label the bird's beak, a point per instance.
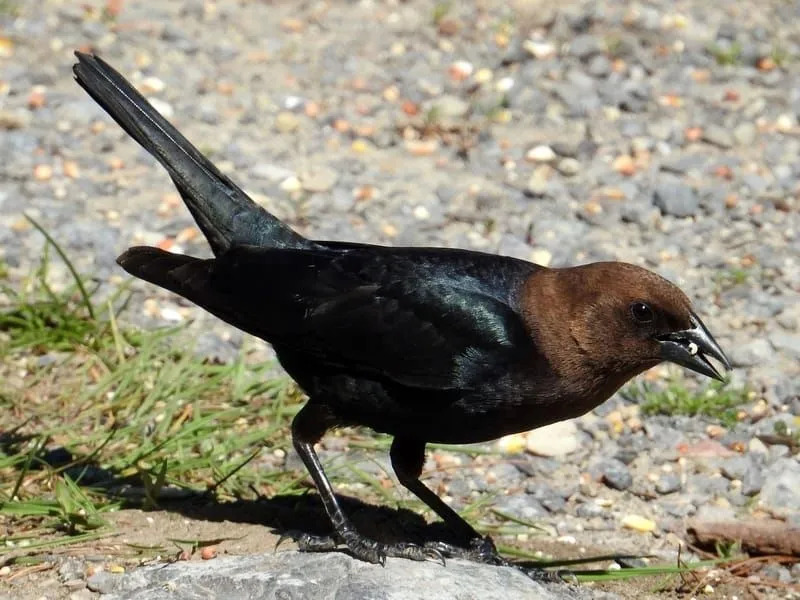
(689, 348)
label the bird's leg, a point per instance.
(408, 458)
(308, 428)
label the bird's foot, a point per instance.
(483, 550)
(361, 547)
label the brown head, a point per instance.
(609, 321)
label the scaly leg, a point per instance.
(308, 428)
(408, 458)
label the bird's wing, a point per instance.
(412, 316)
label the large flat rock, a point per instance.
(297, 576)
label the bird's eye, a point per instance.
(642, 312)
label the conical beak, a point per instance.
(690, 348)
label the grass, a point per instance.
(95, 413)
(726, 54)
(97, 416)
(717, 401)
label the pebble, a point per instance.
(319, 179)
(786, 342)
(676, 198)
(668, 483)
(719, 136)
(558, 439)
(446, 107)
(781, 485)
(541, 154)
(286, 122)
(616, 475)
(745, 134)
(638, 523)
(750, 353)
(568, 166)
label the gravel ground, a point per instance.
(660, 133)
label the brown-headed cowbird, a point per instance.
(425, 344)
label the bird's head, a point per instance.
(625, 319)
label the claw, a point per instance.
(434, 554)
(565, 576)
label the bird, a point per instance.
(425, 344)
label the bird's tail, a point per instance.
(226, 215)
(176, 272)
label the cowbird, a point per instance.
(425, 344)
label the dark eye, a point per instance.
(641, 312)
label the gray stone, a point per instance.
(447, 107)
(327, 576)
(776, 573)
(521, 506)
(319, 179)
(745, 133)
(616, 475)
(789, 343)
(584, 46)
(718, 136)
(668, 483)
(599, 66)
(736, 467)
(753, 481)
(589, 510)
(750, 353)
(676, 198)
(568, 166)
(782, 480)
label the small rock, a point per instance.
(286, 122)
(753, 482)
(511, 444)
(745, 133)
(43, 172)
(616, 475)
(537, 185)
(599, 66)
(788, 343)
(541, 153)
(756, 446)
(14, 119)
(750, 353)
(104, 582)
(676, 198)
(624, 165)
(668, 483)
(638, 523)
(541, 256)
(521, 506)
(558, 439)
(540, 50)
(165, 108)
(152, 85)
(422, 147)
(568, 166)
(447, 106)
(782, 480)
(718, 136)
(320, 179)
(460, 70)
(776, 572)
(584, 46)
